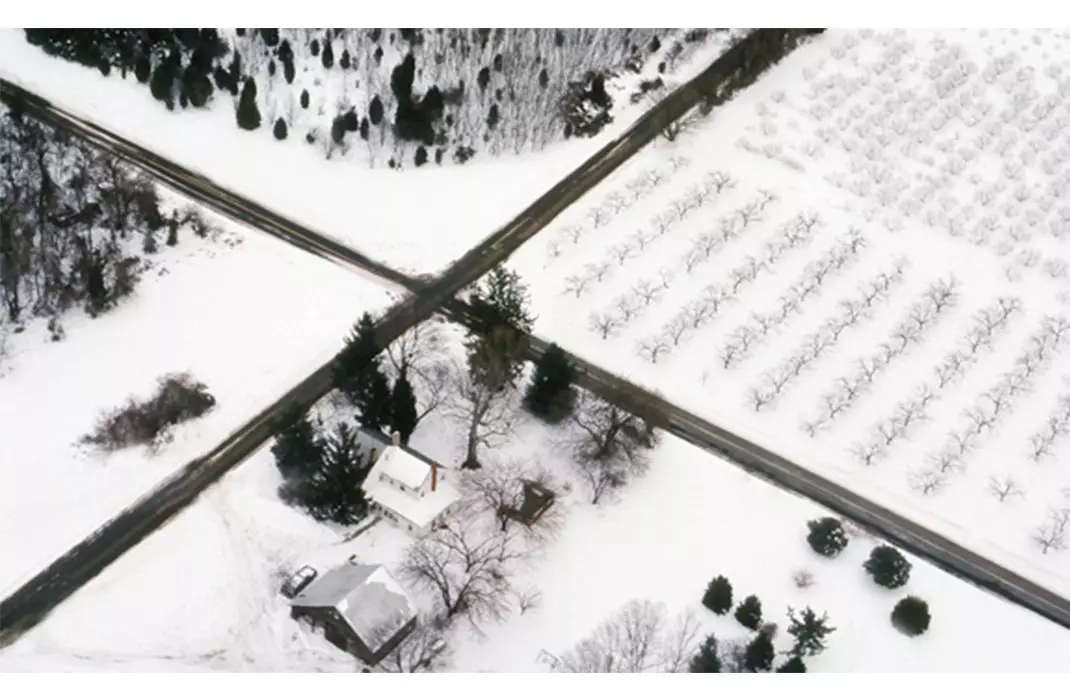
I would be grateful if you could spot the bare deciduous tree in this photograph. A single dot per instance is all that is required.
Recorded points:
(500, 487)
(636, 639)
(608, 444)
(1052, 534)
(467, 566)
(424, 650)
(1003, 487)
(487, 415)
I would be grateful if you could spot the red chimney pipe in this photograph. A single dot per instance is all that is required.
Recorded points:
(434, 476)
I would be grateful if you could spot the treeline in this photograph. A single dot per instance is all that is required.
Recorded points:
(405, 95)
(72, 222)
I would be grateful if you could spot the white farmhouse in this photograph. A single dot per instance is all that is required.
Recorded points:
(408, 489)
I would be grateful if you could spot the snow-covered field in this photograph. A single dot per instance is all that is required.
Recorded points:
(905, 338)
(384, 213)
(690, 518)
(247, 315)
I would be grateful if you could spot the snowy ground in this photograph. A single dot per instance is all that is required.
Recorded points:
(372, 210)
(691, 518)
(824, 341)
(246, 315)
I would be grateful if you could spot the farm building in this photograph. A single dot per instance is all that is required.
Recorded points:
(407, 488)
(360, 608)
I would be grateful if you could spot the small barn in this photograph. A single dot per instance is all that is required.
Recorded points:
(360, 608)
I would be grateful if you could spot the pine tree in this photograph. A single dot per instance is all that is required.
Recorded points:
(888, 567)
(718, 596)
(248, 113)
(297, 449)
(421, 156)
(196, 86)
(502, 299)
(142, 69)
(331, 490)
(403, 409)
(911, 616)
(375, 111)
(706, 659)
(304, 99)
(280, 129)
(550, 395)
(792, 665)
(496, 359)
(827, 536)
(809, 631)
(328, 55)
(760, 654)
(359, 376)
(749, 612)
(162, 83)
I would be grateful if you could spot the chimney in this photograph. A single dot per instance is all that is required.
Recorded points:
(434, 476)
(396, 437)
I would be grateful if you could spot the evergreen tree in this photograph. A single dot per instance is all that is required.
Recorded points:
(502, 299)
(421, 156)
(911, 616)
(809, 631)
(760, 653)
(331, 490)
(706, 659)
(403, 409)
(496, 359)
(749, 612)
(196, 86)
(550, 395)
(235, 73)
(142, 69)
(358, 375)
(327, 57)
(792, 665)
(172, 231)
(248, 112)
(375, 111)
(162, 83)
(718, 596)
(304, 99)
(402, 77)
(297, 449)
(888, 567)
(827, 536)
(289, 71)
(280, 130)
(344, 62)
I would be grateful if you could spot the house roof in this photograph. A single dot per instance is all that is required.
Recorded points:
(417, 509)
(368, 598)
(401, 466)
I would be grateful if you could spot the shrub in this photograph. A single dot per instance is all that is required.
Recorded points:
(792, 665)
(888, 567)
(749, 612)
(911, 616)
(826, 537)
(178, 398)
(760, 653)
(56, 331)
(718, 596)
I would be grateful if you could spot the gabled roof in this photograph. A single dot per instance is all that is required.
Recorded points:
(401, 466)
(368, 598)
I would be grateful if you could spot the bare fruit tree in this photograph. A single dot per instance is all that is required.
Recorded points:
(608, 444)
(1051, 535)
(1003, 487)
(636, 639)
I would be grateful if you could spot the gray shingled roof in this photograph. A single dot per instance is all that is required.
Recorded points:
(367, 597)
